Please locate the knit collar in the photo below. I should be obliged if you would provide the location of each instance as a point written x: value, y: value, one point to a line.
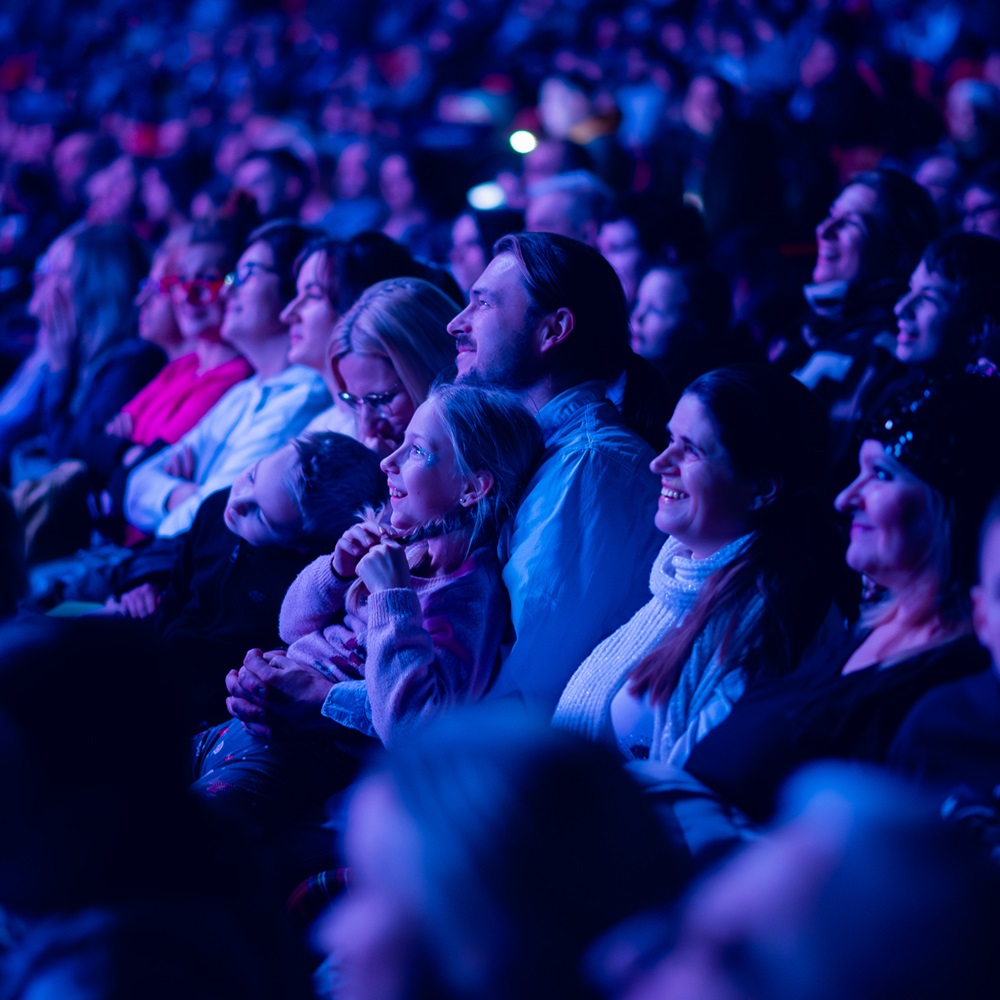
x: 678, y: 576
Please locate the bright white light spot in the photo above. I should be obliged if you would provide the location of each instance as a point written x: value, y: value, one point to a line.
x: 523, y: 142
x: 486, y: 196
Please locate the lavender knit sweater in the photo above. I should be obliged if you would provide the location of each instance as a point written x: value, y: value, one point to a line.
x: 706, y: 689
x: 398, y: 656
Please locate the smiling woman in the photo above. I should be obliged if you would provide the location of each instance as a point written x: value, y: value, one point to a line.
x: 742, y: 585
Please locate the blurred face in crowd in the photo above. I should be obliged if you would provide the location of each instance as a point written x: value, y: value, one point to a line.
x: 561, y: 107
x: 842, y: 235
x: 495, y: 334
x: 742, y: 933
x: 155, y: 194
x: 553, y: 212
x: 986, y: 594
x: 657, y: 312
x: 381, y: 404
x: 893, y: 520
x: 69, y: 161
x: 396, y: 183
x: 960, y: 112
x: 938, y: 176
x: 468, y: 259
x: 819, y: 63
x: 263, y: 506
x: 197, y: 294
x: 618, y: 242
x: 51, y: 279
x: 703, y: 503
x: 157, y: 322
x: 111, y: 191
x: 375, y: 931
x: 253, y: 299
x: 547, y: 159
x: 926, y: 317
x: 257, y: 178
x: 351, y: 176
x: 981, y: 210
x: 310, y: 316
x: 702, y: 107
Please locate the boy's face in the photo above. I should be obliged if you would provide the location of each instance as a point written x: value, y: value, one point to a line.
x: 263, y: 504
x: 986, y: 595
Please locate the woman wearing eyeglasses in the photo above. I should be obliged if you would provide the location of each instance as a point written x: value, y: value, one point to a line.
x: 255, y: 417
x: 330, y: 277
x: 180, y: 311
x: 182, y: 296
x: 387, y: 350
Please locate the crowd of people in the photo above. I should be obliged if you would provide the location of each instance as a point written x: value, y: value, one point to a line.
x: 498, y: 500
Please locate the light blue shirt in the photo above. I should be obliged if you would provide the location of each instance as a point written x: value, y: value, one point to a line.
x: 577, y: 554
x: 252, y: 419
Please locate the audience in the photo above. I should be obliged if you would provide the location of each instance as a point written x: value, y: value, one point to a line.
x: 952, y: 308
x: 402, y: 622
x: 164, y: 492
x: 669, y: 162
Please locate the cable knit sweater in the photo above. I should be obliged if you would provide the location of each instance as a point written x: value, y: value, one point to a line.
x: 398, y: 656
x: 706, y: 689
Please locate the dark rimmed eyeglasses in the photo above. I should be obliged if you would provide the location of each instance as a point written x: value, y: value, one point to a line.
x: 243, y: 274
x: 376, y: 401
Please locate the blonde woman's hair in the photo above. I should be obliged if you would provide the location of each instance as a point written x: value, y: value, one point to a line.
x: 403, y: 320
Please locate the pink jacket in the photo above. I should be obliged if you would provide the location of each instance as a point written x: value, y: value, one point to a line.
x: 173, y: 402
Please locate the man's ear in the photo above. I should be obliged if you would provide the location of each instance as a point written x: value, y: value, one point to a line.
x: 476, y: 487
x: 556, y: 327
x: 766, y: 494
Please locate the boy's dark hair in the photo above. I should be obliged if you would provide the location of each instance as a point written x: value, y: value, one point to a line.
x: 338, y: 476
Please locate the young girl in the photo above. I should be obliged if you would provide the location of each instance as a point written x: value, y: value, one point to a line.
x: 402, y: 621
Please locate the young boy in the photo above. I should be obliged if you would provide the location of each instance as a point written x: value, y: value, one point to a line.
x: 952, y: 737
x: 246, y: 546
